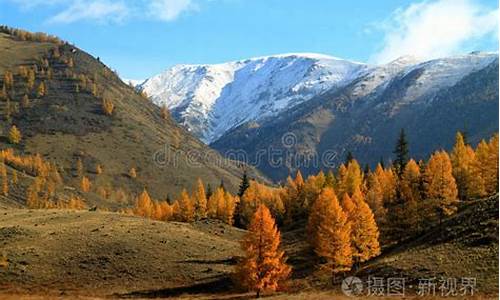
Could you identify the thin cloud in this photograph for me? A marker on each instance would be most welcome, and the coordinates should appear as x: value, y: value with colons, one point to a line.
x: 169, y: 10
x: 431, y: 29
x: 97, y: 10
x: 106, y: 11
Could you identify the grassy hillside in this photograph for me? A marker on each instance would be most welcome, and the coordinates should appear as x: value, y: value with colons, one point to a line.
x: 98, y: 253
x: 64, y: 252
x: 465, y: 245
x: 67, y: 123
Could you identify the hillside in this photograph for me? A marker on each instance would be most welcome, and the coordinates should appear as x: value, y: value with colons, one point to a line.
x: 58, y: 252
x: 66, y: 124
x: 69, y: 253
x: 431, y: 101
x: 466, y: 245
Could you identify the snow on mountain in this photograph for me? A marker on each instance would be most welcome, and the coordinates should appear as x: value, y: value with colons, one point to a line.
x: 211, y: 99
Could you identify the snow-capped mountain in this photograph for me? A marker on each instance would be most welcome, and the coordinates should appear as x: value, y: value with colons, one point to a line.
x: 209, y: 100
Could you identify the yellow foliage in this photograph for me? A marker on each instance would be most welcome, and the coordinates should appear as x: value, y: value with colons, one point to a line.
x: 264, y: 267
x: 14, y: 135
x: 85, y: 184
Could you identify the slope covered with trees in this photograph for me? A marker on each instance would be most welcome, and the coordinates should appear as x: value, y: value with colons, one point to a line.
x: 105, y: 139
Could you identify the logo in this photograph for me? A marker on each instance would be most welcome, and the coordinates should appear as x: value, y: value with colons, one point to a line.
x: 352, y: 286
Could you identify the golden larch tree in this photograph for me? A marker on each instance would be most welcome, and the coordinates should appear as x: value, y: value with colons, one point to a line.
x: 41, y: 90
x: 409, y: 216
x: 200, y: 200
x: 439, y: 183
x: 186, y: 207
x: 213, y: 202
x: 107, y: 106
x: 331, y: 233
x: 144, y: 205
x: 375, y: 197
x: 85, y: 184
x: 462, y: 160
x: 364, y: 230
x: 132, y: 173
x: 264, y: 267
x: 14, y: 135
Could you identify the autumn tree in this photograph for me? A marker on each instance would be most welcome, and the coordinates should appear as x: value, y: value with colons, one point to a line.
x: 375, y: 197
x: 41, y: 90
x: 98, y: 169
x: 200, y: 200
x: 439, y: 183
x: 186, y: 207
x: 330, y: 233
x: 350, y: 178
x: 364, y: 230
x: 8, y: 79
x: 410, y: 193
x: 164, y: 112
x: 486, y: 166
x: 79, y: 167
x: 132, y: 173
x: 462, y: 160
x: 264, y: 267
x: 144, y: 205
x: 5, y: 179
x: 107, y: 106
x: 25, y: 101
x: 213, y: 202
x: 14, y: 135
x: 85, y: 184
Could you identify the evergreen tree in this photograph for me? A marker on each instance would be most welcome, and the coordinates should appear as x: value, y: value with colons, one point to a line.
x: 402, y: 153
x: 349, y: 157
x: 244, y: 184
x: 462, y: 160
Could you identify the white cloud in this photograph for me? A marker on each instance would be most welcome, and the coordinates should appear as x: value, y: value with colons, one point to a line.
x: 431, y: 29
x: 169, y: 10
x: 95, y: 10
x: 106, y: 11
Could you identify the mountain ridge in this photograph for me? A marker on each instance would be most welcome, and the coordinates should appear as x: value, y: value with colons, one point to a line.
x: 210, y: 99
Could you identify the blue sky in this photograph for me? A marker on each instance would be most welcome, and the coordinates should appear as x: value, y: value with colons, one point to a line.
x: 141, y: 38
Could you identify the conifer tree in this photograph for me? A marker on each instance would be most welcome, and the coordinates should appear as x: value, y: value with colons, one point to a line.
x: 462, y: 161
x: 440, y: 184
x: 402, y: 153
x: 5, y: 180
x: 410, y: 187
x: 25, y: 101
x: 41, y: 90
x: 264, y: 267
x: 98, y: 169
x: 375, y: 198
x: 14, y: 135
x: 350, y: 179
x: 244, y: 185
x: 486, y: 166
x: 200, y: 199
x: 330, y: 232
x: 213, y: 203
x: 364, y: 230
x: 164, y: 112
x: 107, y: 106
x: 186, y: 207
x: 85, y: 184
x: 132, y: 173
x: 144, y: 205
